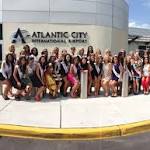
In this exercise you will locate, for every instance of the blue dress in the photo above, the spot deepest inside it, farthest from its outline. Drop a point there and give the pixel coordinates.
(116, 67)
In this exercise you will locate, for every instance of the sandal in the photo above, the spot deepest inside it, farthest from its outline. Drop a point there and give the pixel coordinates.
(17, 98)
(6, 97)
(115, 95)
(73, 95)
(106, 94)
(37, 98)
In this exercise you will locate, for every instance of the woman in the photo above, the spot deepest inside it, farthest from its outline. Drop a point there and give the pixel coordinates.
(73, 51)
(39, 78)
(34, 53)
(65, 67)
(6, 74)
(73, 77)
(86, 66)
(108, 53)
(22, 81)
(50, 81)
(52, 60)
(146, 76)
(136, 73)
(81, 53)
(98, 51)
(90, 51)
(31, 69)
(12, 50)
(97, 72)
(45, 54)
(116, 75)
(128, 67)
(56, 52)
(26, 49)
(107, 71)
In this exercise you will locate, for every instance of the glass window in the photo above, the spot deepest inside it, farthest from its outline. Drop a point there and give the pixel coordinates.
(0, 52)
(1, 32)
(142, 47)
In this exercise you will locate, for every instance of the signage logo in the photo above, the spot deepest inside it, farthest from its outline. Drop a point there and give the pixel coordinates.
(20, 36)
(23, 36)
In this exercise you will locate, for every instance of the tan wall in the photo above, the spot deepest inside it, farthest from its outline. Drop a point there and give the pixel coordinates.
(99, 36)
(119, 40)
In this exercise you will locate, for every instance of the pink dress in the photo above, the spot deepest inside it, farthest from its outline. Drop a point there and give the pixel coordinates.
(72, 77)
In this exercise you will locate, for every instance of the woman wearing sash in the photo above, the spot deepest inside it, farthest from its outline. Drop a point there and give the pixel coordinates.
(136, 73)
(31, 69)
(146, 76)
(6, 74)
(128, 67)
(116, 75)
(21, 80)
(97, 70)
(73, 76)
(107, 71)
(92, 62)
(90, 51)
(86, 66)
(12, 51)
(39, 78)
(34, 53)
(81, 53)
(65, 67)
(52, 60)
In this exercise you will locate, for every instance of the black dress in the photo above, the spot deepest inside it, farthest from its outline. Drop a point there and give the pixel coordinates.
(37, 81)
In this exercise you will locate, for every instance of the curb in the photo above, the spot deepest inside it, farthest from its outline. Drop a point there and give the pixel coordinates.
(74, 134)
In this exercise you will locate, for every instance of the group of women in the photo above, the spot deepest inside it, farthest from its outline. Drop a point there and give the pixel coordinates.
(58, 73)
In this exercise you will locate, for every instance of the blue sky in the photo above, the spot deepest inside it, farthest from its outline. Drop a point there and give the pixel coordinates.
(139, 13)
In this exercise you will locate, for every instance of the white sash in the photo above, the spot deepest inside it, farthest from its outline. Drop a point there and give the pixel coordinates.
(57, 67)
(97, 68)
(65, 67)
(130, 75)
(138, 72)
(116, 73)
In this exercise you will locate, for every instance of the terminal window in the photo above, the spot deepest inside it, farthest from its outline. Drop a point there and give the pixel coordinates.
(0, 52)
(1, 33)
(142, 47)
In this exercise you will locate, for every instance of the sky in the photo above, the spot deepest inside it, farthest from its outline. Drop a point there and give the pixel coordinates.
(139, 13)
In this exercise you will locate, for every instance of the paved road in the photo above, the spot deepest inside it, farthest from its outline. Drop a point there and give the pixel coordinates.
(136, 142)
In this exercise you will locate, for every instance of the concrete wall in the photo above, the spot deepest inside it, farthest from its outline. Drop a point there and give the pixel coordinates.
(96, 12)
(0, 11)
(106, 21)
(98, 36)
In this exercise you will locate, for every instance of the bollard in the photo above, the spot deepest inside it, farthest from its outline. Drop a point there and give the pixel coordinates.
(125, 84)
(84, 79)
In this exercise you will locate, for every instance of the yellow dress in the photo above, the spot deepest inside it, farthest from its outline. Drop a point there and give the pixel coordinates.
(50, 84)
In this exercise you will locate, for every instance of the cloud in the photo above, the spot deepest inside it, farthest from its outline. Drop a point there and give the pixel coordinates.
(136, 25)
(146, 3)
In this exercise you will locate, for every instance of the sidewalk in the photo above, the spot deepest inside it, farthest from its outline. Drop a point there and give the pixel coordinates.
(76, 113)
(75, 119)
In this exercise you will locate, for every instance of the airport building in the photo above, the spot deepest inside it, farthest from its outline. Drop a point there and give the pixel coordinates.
(139, 39)
(65, 23)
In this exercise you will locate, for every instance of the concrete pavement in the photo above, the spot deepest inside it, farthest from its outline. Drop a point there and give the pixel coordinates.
(105, 117)
(76, 113)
